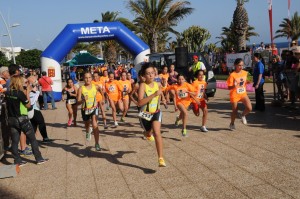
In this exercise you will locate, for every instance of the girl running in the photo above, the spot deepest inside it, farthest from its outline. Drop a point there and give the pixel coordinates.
(113, 89)
(150, 115)
(171, 81)
(184, 93)
(71, 104)
(237, 85)
(200, 86)
(125, 90)
(87, 97)
(99, 96)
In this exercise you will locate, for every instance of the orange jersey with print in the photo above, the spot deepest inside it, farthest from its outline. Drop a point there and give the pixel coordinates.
(113, 90)
(125, 86)
(99, 97)
(104, 79)
(200, 87)
(2, 83)
(165, 76)
(239, 81)
(182, 95)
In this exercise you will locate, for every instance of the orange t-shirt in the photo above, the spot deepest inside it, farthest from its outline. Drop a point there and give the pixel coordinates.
(99, 97)
(103, 69)
(104, 79)
(127, 85)
(182, 95)
(200, 87)
(239, 81)
(2, 82)
(165, 76)
(113, 90)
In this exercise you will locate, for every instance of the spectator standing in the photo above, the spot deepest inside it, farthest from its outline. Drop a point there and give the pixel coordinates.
(197, 65)
(46, 83)
(258, 82)
(133, 73)
(73, 77)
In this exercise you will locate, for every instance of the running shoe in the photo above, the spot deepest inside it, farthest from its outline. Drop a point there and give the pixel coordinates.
(97, 146)
(232, 127)
(244, 120)
(88, 136)
(161, 162)
(122, 119)
(26, 152)
(22, 163)
(184, 132)
(203, 129)
(105, 126)
(177, 120)
(69, 122)
(42, 161)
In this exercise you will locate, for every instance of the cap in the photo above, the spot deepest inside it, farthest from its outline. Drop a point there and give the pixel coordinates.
(195, 57)
(3, 68)
(294, 42)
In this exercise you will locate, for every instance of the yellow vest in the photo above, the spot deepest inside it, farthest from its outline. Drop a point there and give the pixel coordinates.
(153, 105)
(91, 101)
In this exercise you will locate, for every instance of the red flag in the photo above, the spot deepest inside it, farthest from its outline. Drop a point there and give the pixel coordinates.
(270, 19)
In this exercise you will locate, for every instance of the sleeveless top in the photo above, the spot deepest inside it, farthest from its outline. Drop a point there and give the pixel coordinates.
(170, 81)
(153, 105)
(90, 102)
(68, 93)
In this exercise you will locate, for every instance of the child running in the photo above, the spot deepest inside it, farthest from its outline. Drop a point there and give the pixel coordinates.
(125, 90)
(99, 97)
(200, 85)
(87, 97)
(113, 89)
(150, 115)
(237, 85)
(71, 91)
(184, 93)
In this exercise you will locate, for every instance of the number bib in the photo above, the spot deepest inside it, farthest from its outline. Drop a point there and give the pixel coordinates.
(89, 111)
(240, 90)
(71, 101)
(145, 115)
(182, 95)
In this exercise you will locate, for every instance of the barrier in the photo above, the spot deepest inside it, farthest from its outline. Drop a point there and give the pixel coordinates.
(223, 85)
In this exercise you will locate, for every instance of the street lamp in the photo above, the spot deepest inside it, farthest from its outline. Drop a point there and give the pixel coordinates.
(3, 35)
(9, 35)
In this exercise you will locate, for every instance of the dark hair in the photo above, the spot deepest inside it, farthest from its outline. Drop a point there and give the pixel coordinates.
(13, 68)
(44, 73)
(198, 71)
(111, 73)
(145, 66)
(257, 55)
(237, 61)
(180, 74)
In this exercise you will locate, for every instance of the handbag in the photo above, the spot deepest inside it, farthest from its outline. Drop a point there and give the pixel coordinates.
(25, 124)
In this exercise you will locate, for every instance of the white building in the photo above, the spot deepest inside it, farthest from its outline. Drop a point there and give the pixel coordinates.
(7, 51)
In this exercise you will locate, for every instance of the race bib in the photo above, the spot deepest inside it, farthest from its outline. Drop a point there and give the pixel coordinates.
(71, 101)
(89, 111)
(200, 95)
(145, 115)
(241, 90)
(182, 95)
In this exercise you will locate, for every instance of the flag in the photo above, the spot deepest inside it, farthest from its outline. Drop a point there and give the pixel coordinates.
(270, 19)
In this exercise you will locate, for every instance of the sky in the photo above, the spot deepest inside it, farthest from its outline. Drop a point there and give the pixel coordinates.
(41, 21)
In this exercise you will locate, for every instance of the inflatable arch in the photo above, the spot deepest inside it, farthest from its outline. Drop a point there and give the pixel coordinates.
(87, 32)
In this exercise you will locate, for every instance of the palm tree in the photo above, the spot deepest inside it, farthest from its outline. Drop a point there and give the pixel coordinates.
(195, 37)
(240, 24)
(155, 17)
(289, 28)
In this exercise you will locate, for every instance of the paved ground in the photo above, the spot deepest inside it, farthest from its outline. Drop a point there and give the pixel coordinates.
(261, 160)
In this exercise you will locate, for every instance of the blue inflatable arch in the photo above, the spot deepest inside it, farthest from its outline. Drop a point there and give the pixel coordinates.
(87, 32)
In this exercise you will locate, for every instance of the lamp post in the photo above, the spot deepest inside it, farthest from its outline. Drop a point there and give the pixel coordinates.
(3, 35)
(9, 35)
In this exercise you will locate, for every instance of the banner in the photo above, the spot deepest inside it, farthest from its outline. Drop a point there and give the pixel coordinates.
(246, 57)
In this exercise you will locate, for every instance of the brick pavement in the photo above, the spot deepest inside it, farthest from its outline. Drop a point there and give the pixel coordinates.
(260, 160)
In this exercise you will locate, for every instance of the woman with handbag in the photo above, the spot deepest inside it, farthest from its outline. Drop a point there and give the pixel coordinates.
(18, 101)
(71, 104)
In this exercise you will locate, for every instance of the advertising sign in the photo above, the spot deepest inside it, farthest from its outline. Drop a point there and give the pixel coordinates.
(246, 57)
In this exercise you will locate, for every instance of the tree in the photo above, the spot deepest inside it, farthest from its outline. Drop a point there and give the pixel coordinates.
(155, 18)
(195, 38)
(3, 59)
(289, 28)
(240, 24)
(30, 58)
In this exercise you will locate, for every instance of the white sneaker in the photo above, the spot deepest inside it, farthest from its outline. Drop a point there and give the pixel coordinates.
(232, 127)
(244, 121)
(90, 130)
(203, 129)
(116, 123)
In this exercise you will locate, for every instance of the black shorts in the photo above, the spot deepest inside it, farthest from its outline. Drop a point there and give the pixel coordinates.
(147, 125)
(87, 117)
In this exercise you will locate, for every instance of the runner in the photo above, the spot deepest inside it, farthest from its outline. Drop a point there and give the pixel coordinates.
(105, 79)
(87, 97)
(113, 89)
(171, 81)
(125, 90)
(149, 103)
(237, 85)
(71, 90)
(200, 86)
(99, 97)
(184, 93)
